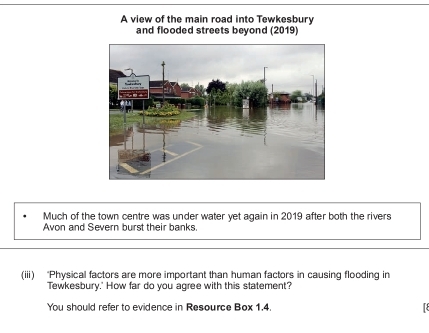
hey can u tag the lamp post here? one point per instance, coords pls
(132, 101)
(312, 87)
(163, 64)
(265, 94)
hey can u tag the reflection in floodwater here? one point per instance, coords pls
(225, 143)
(133, 161)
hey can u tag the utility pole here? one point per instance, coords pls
(265, 92)
(163, 64)
(315, 89)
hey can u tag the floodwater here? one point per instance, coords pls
(285, 142)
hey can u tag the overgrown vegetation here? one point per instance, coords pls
(167, 110)
(234, 93)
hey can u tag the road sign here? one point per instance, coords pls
(133, 87)
(133, 94)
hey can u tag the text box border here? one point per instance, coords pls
(216, 239)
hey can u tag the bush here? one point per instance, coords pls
(199, 101)
(167, 110)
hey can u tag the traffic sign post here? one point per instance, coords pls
(133, 87)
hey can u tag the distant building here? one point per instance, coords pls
(177, 90)
(191, 92)
(156, 89)
(171, 90)
(282, 98)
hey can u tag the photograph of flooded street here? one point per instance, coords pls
(217, 112)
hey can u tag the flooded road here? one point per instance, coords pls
(224, 143)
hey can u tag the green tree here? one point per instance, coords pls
(254, 90)
(197, 100)
(229, 92)
(215, 90)
(321, 98)
(294, 97)
(308, 96)
(215, 86)
(113, 94)
(185, 86)
(200, 88)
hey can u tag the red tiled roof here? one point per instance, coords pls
(157, 83)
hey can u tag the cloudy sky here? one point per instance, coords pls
(289, 66)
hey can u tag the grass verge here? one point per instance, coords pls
(116, 121)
